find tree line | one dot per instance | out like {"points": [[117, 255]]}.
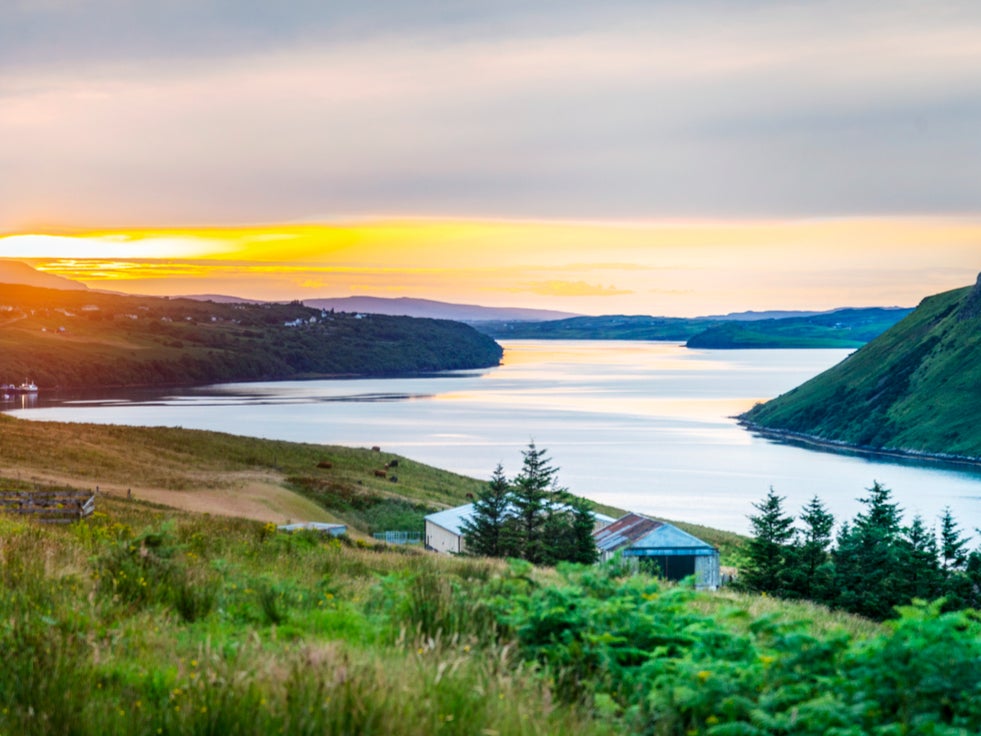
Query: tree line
{"points": [[875, 562], [531, 517]]}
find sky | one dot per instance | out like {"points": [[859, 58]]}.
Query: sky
{"points": [[650, 157]]}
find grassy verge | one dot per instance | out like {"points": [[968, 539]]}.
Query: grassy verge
{"points": [[141, 620]]}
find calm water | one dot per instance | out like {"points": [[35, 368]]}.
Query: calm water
{"points": [[643, 426]]}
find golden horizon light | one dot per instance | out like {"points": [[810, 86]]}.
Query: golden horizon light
{"points": [[669, 268]]}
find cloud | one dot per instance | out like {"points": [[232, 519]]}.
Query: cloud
{"points": [[215, 111], [567, 289]]}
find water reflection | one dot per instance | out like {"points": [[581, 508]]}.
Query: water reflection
{"points": [[644, 426]]}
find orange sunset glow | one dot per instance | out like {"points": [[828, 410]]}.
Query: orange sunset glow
{"points": [[675, 268]]}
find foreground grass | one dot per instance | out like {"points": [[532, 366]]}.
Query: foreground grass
{"points": [[146, 621]]}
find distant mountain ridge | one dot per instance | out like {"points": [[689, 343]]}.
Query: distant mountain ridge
{"points": [[915, 389], [841, 328], [15, 272], [410, 307]]}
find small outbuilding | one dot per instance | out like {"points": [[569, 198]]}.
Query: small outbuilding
{"points": [[444, 529], [334, 530], [674, 553]]}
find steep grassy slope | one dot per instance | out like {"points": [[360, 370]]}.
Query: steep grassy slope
{"points": [[916, 388], [82, 339]]}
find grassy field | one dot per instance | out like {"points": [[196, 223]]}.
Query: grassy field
{"points": [[148, 621]]}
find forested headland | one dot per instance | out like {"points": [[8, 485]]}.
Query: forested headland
{"points": [[79, 339]]}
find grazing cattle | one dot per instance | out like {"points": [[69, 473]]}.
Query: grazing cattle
{"points": [[325, 464], [392, 464], [380, 474], [394, 479], [376, 448], [470, 496]]}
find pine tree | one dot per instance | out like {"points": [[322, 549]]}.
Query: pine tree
{"points": [[531, 495], [484, 531], [767, 551], [812, 572], [952, 544], [919, 570], [956, 584], [868, 570]]}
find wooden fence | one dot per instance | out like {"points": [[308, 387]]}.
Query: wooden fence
{"points": [[51, 507]]}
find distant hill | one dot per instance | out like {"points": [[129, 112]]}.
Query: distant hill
{"points": [[753, 316], [843, 328], [915, 389], [408, 307], [608, 327], [63, 338], [15, 272]]}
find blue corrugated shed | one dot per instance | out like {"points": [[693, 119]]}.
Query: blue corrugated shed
{"points": [[639, 536]]}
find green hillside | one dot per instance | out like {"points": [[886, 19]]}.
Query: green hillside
{"points": [[609, 327], [843, 328], [65, 339], [916, 388]]}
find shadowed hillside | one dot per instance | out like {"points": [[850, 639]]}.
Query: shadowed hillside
{"points": [[64, 338]]}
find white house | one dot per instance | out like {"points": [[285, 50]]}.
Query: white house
{"points": [[444, 529]]}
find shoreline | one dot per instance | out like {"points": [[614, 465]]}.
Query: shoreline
{"points": [[847, 448]]}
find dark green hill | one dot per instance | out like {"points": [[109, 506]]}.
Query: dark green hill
{"points": [[609, 327], [916, 388], [842, 328], [86, 339]]}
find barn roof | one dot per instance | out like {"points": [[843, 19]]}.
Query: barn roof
{"points": [[453, 519], [639, 536]]}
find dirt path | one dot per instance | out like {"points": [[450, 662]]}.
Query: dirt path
{"points": [[251, 495]]}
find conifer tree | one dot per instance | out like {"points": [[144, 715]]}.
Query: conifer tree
{"points": [[952, 554], [812, 572], [484, 531], [956, 584], [868, 572], [767, 551], [531, 493], [919, 571]]}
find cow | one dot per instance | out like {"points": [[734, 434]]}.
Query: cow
{"points": [[376, 448], [381, 474], [392, 464], [327, 464]]}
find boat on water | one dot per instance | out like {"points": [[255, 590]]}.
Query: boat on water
{"points": [[27, 387]]}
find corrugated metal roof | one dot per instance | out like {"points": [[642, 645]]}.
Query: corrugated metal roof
{"points": [[637, 532], [452, 519]]}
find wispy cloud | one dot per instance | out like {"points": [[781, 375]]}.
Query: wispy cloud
{"points": [[567, 289], [214, 111]]}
